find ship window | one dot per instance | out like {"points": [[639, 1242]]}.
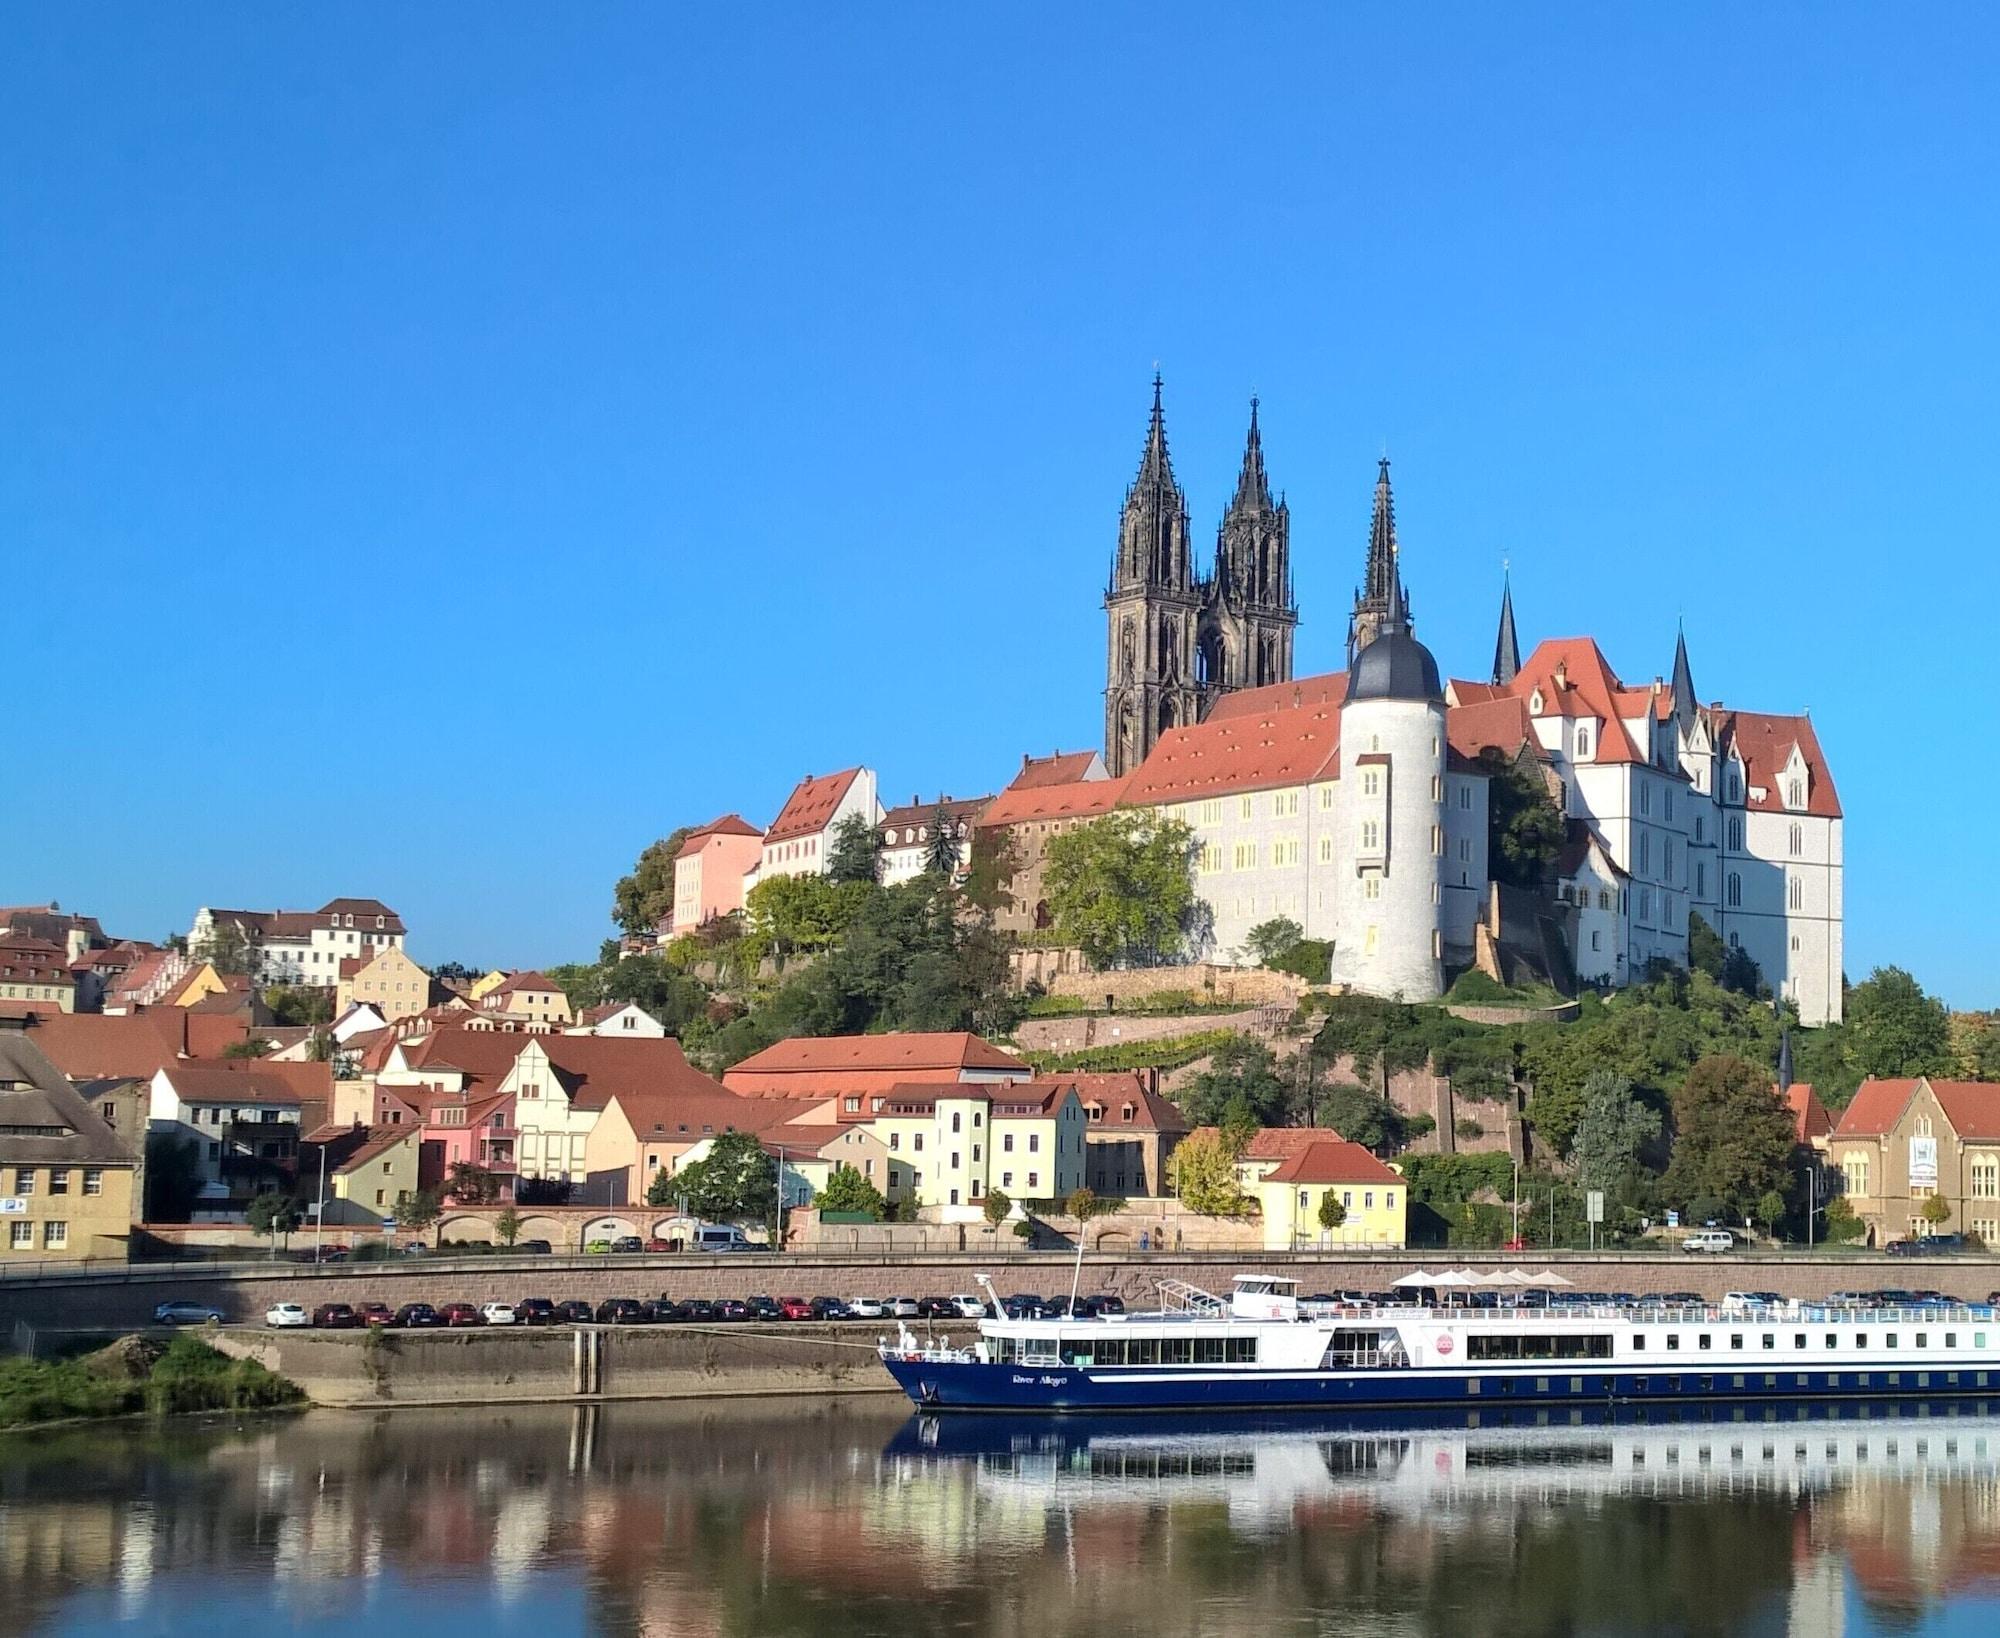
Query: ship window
{"points": [[1638, 1342], [1705, 1341], [1143, 1351], [1892, 1339], [1674, 1340], [1176, 1351], [1242, 1350], [1951, 1339], [1769, 1340], [1923, 1339], [1736, 1340], [1833, 1341], [1860, 1340], [1798, 1339], [1208, 1350], [1108, 1351]]}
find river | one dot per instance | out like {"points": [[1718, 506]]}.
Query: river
{"points": [[853, 1517]]}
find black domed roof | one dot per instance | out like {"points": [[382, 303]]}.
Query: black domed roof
{"points": [[1394, 667]]}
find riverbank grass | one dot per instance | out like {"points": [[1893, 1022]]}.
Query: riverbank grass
{"points": [[136, 1375]]}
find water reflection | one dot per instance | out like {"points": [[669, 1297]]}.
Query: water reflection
{"points": [[839, 1518]]}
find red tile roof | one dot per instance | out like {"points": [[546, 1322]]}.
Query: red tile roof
{"points": [[1332, 1160], [251, 1081], [1503, 724], [1063, 768], [85, 1046], [730, 824], [1328, 689], [1244, 752], [516, 983], [1588, 687], [820, 1066], [957, 809], [28, 960], [1972, 1107], [1809, 1117], [810, 807], [681, 1115], [1765, 743], [1083, 799], [1113, 1094]]}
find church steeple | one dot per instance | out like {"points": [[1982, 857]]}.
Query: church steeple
{"points": [[1245, 636], [1253, 488], [1153, 534], [1380, 598], [1506, 647], [1682, 688]]}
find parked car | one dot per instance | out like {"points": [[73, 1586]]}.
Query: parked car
{"points": [[574, 1313], [1109, 1304], [186, 1313], [335, 1316], [1929, 1243], [621, 1311], [376, 1313], [795, 1308], [535, 1311], [699, 1310], [628, 1244], [868, 1308], [461, 1316], [902, 1307], [535, 1248], [499, 1313], [1520, 1242], [1681, 1299], [418, 1316], [936, 1308], [285, 1315], [721, 1237], [1901, 1248], [766, 1308], [1712, 1241], [830, 1308], [658, 1244], [963, 1305], [597, 1248], [733, 1308]]}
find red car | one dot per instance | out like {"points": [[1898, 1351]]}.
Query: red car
{"points": [[376, 1313], [795, 1308], [335, 1316], [657, 1244], [461, 1314]]}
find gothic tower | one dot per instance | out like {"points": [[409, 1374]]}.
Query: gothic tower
{"points": [[1506, 646], [1248, 613], [1381, 585], [1153, 603]]}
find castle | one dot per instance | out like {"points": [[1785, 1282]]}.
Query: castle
{"points": [[1355, 802]]}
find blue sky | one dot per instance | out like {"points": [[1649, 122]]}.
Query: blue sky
{"points": [[439, 454]]}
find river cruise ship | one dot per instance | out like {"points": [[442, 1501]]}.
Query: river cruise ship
{"points": [[1263, 1348]]}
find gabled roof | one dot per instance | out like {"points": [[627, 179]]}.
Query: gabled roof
{"points": [[84, 1045], [539, 983], [1116, 1092], [1327, 689], [730, 824], [28, 960], [1269, 750], [1502, 724], [1765, 743], [948, 1049], [1972, 1107], [251, 1080], [1809, 1117], [359, 1145], [811, 806], [358, 908], [1083, 799], [957, 809], [1061, 768], [676, 1116], [44, 1117], [1332, 1160], [1588, 687], [1580, 842]]}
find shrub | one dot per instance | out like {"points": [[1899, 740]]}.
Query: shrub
{"points": [[1470, 1129], [1169, 1053]]}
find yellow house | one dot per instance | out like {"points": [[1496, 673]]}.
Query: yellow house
{"points": [[962, 1141], [200, 982], [67, 1180], [534, 997], [389, 981], [641, 1133], [1374, 1198], [369, 1166], [486, 983]]}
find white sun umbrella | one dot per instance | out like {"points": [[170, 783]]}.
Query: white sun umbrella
{"points": [[1416, 1277], [1548, 1276]]}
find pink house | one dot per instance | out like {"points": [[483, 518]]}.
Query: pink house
{"points": [[710, 868]]}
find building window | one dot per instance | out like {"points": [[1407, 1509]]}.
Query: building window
{"points": [[93, 1180], [1371, 886], [1733, 890], [1371, 781], [1437, 841], [24, 1180], [24, 1237], [55, 1235], [1645, 797], [1371, 835], [1795, 794], [1854, 1174], [1985, 1177], [1034, 1145], [1736, 836], [1798, 840], [1795, 893], [1583, 742]]}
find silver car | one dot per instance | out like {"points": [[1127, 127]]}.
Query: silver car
{"points": [[186, 1313], [901, 1307]]}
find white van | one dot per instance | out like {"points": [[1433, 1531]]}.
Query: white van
{"points": [[1714, 1240], [725, 1237]]}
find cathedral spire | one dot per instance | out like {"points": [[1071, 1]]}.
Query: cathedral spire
{"points": [[1682, 692], [1381, 601], [1253, 486], [1156, 470], [1506, 646]]}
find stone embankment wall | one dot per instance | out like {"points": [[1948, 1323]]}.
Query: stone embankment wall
{"points": [[1075, 1033], [349, 1368]]}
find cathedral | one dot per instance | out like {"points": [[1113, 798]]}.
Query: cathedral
{"points": [[1355, 802]]}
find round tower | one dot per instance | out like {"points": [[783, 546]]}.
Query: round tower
{"points": [[1389, 803]]}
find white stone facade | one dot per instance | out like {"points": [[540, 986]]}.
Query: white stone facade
{"points": [[1389, 816]]}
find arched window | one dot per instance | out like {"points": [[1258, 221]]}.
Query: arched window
{"points": [[1798, 840], [1734, 894], [1795, 893], [1583, 742], [1795, 794]]}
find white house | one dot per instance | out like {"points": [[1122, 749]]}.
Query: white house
{"points": [[799, 838], [305, 946]]}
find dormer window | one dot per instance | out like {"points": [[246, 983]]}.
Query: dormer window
{"points": [[1536, 702], [1795, 793], [1583, 740]]}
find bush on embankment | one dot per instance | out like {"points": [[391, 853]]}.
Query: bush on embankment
{"points": [[134, 1375]]}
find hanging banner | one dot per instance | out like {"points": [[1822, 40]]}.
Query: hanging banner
{"points": [[1923, 1163]]}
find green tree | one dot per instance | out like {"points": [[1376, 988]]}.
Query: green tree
{"points": [[1611, 1128], [1842, 1225], [1770, 1211], [1121, 888], [416, 1212], [643, 899], [1936, 1211], [295, 1006], [1733, 1139], [990, 871], [848, 1190], [1202, 1170], [736, 1179], [787, 915], [253, 1046], [507, 1225], [272, 1214], [1363, 1117], [1243, 1068], [1270, 941], [1894, 1029], [1975, 1045], [1524, 826], [472, 1184], [855, 853], [1729, 965], [225, 947], [997, 1207], [173, 1177], [941, 846], [1237, 1126], [1331, 1212]]}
